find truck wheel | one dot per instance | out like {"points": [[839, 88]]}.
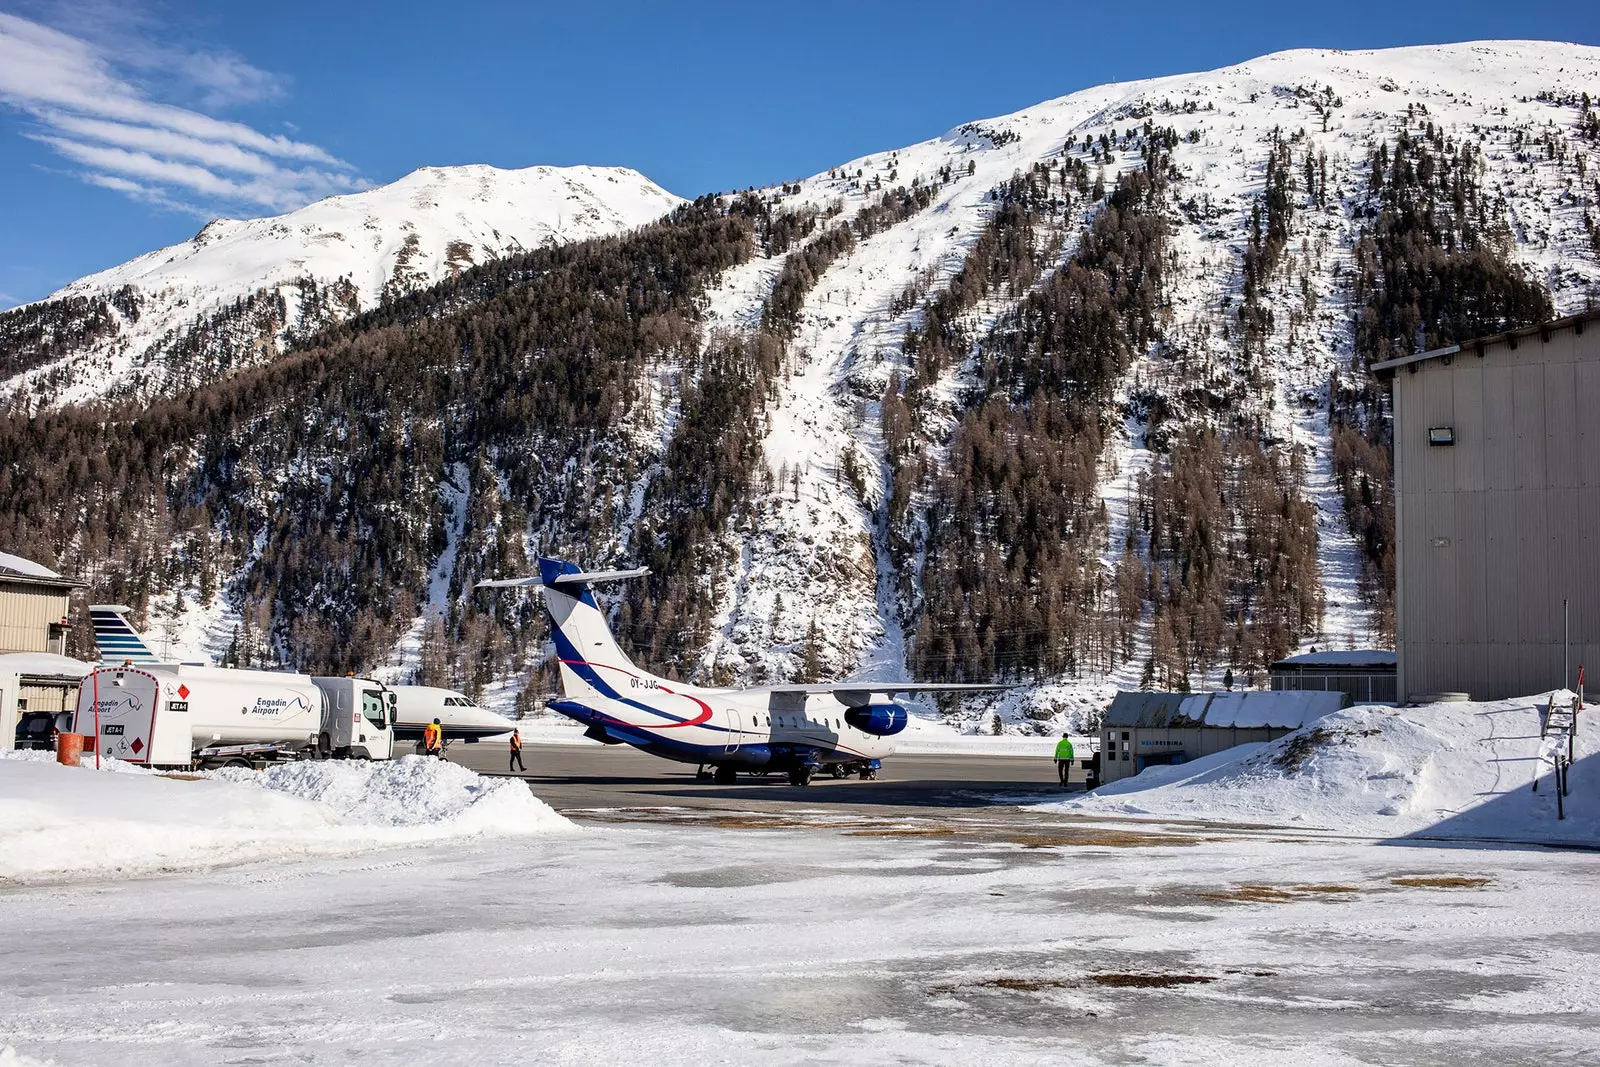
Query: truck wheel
{"points": [[324, 747], [236, 762]]}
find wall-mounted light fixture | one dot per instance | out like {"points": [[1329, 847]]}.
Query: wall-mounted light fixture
{"points": [[1441, 435]]}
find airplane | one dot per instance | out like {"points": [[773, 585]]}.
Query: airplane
{"points": [[415, 705], [798, 729]]}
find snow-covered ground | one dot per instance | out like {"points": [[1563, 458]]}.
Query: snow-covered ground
{"points": [[62, 823], [683, 945], [1463, 770]]}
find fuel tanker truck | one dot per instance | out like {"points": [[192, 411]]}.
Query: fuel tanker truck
{"points": [[180, 715]]}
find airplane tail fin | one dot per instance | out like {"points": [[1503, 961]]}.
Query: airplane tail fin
{"points": [[116, 638], [592, 663]]}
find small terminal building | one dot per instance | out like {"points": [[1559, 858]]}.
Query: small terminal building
{"points": [[1157, 729], [1363, 675], [35, 674], [1497, 511]]}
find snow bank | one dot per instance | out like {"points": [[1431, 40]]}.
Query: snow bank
{"points": [[60, 822], [10, 1057], [1451, 771], [411, 791]]}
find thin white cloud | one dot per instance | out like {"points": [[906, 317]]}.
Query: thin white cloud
{"points": [[280, 189], [88, 109]]}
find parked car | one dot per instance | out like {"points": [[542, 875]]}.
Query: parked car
{"points": [[38, 729]]}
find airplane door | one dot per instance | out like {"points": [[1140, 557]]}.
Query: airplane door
{"points": [[735, 733]]}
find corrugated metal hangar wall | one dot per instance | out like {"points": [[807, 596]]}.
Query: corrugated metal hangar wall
{"points": [[1497, 498]]}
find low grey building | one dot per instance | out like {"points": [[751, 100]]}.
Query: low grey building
{"points": [[1364, 675], [1157, 729], [1497, 504]]}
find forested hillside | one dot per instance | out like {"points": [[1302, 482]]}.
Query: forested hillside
{"points": [[1076, 397]]}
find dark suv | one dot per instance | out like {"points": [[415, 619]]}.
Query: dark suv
{"points": [[37, 729]]}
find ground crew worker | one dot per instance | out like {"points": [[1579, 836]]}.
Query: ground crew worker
{"points": [[1064, 757], [433, 739], [516, 752]]}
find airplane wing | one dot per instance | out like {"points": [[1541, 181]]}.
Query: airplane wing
{"points": [[577, 576], [890, 687]]}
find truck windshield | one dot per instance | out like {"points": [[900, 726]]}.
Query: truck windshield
{"points": [[372, 707]]}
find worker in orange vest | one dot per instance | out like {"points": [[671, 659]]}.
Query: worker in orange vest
{"points": [[433, 739], [516, 752]]}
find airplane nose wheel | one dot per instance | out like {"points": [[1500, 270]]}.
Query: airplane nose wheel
{"points": [[800, 776]]}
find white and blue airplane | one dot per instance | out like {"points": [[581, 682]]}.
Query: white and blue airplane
{"points": [[799, 729]]}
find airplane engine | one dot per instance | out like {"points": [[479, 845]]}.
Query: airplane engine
{"points": [[880, 719]]}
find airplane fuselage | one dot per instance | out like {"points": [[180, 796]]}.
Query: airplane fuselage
{"points": [[743, 728]]}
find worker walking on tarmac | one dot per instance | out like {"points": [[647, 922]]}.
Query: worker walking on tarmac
{"points": [[516, 752], [1064, 758], [433, 739]]}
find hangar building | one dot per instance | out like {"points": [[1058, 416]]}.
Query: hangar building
{"points": [[1154, 729], [1497, 510]]}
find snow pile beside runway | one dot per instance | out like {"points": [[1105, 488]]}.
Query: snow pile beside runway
{"points": [[59, 822], [412, 791], [1439, 771]]}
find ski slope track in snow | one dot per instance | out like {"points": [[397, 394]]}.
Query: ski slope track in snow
{"points": [[358, 249]]}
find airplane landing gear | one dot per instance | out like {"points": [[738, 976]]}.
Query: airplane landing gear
{"points": [[726, 775], [800, 776], [868, 774], [702, 774]]}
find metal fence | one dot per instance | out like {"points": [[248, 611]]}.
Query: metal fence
{"points": [[1360, 688]]}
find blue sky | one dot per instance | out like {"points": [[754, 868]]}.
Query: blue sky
{"points": [[123, 125]]}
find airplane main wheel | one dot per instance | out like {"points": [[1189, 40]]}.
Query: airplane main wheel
{"points": [[868, 774], [726, 775], [800, 776]]}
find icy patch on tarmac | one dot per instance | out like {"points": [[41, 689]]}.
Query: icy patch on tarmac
{"points": [[62, 823], [1451, 771]]}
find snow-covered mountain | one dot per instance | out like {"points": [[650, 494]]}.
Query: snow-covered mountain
{"points": [[1520, 103], [824, 567], [172, 316]]}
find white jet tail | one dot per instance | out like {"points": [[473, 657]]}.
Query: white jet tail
{"points": [[116, 638], [592, 663]]}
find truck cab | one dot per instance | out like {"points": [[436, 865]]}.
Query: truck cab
{"points": [[358, 719]]}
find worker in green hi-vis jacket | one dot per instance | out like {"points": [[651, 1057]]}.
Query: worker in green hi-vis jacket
{"points": [[1064, 757]]}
